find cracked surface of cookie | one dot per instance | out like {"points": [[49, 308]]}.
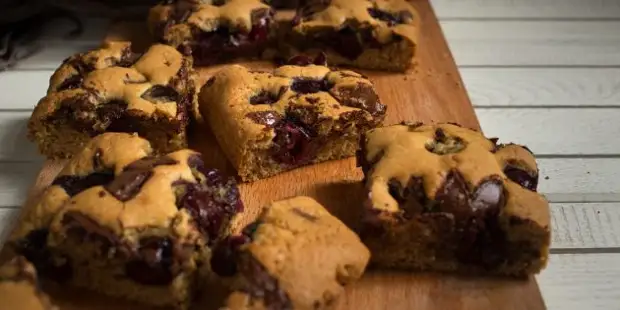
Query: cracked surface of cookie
{"points": [[297, 256], [127, 223], [371, 34], [270, 122], [444, 197], [19, 287], [215, 31], [112, 89]]}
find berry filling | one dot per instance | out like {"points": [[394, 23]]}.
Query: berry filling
{"points": [[390, 18], [225, 43], [310, 86], [212, 202], [294, 144], [155, 263], [34, 249], [521, 177]]}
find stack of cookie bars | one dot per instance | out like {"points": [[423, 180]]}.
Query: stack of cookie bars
{"points": [[136, 214]]}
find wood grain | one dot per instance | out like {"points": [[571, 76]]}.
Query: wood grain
{"points": [[431, 93]]}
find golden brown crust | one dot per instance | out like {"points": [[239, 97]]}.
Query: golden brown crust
{"points": [[308, 252], [114, 89], [445, 184], [233, 14], [244, 108], [359, 33], [19, 289]]}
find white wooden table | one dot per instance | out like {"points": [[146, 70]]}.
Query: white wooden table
{"points": [[545, 73]]}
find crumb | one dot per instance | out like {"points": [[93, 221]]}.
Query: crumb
{"points": [[546, 178]]}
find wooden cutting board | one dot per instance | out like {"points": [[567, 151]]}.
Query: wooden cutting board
{"points": [[432, 92]]}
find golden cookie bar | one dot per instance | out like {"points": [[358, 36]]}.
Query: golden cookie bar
{"points": [[112, 89], [296, 255], [370, 34], [271, 122], [443, 197], [124, 222]]}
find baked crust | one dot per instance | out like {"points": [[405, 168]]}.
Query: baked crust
{"points": [[126, 223], [298, 256], [114, 89], [19, 287], [214, 31], [445, 197], [270, 122], [367, 34]]}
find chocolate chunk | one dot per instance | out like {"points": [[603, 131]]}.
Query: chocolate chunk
{"points": [[128, 58], [210, 81], [225, 254], [411, 198], [312, 7], [251, 228], [109, 113], [390, 18], [264, 97], [98, 163], [310, 86], [34, 248], [73, 185], [522, 177], [150, 162], [304, 214], [304, 60], [87, 230], [361, 96], [488, 196], [155, 262], [267, 118], [72, 82], [127, 185], [261, 285], [453, 196], [159, 93]]}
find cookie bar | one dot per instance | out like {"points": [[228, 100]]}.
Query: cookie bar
{"points": [[19, 289], [371, 34], [284, 4], [443, 197], [214, 32], [112, 89], [296, 255], [270, 122], [126, 223]]}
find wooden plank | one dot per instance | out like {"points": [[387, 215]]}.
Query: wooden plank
{"points": [[534, 43], [527, 9], [580, 179], [548, 131], [555, 87], [328, 183], [582, 281], [14, 182], [15, 95], [14, 146], [585, 226]]}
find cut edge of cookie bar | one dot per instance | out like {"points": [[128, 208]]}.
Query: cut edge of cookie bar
{"points": [[19, 286], [217, 32], [112, 89], [384, 35], [123, 222], [445, 198], [294, 255], [271, 122]]}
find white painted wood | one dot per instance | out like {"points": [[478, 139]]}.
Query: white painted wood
{"points": [[581, 281], [585, 225], [15, 181], [542, 86], [7, 222], [51, 56], [23, 89], [552, 9], [13, 143], [548, 131], [534, 43]]}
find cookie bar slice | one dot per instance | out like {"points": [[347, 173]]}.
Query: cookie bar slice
{"points": [[112, 89], [19, 289], [126, 223], [443, 197], [371, 34], [296, 255], [270, 122], [214, 32]]}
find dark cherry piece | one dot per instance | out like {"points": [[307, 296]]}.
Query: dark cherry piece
{"points": [[262, 285], [225, 255], [73, 185], [310, 86], [154, 265], [521, 177]]}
